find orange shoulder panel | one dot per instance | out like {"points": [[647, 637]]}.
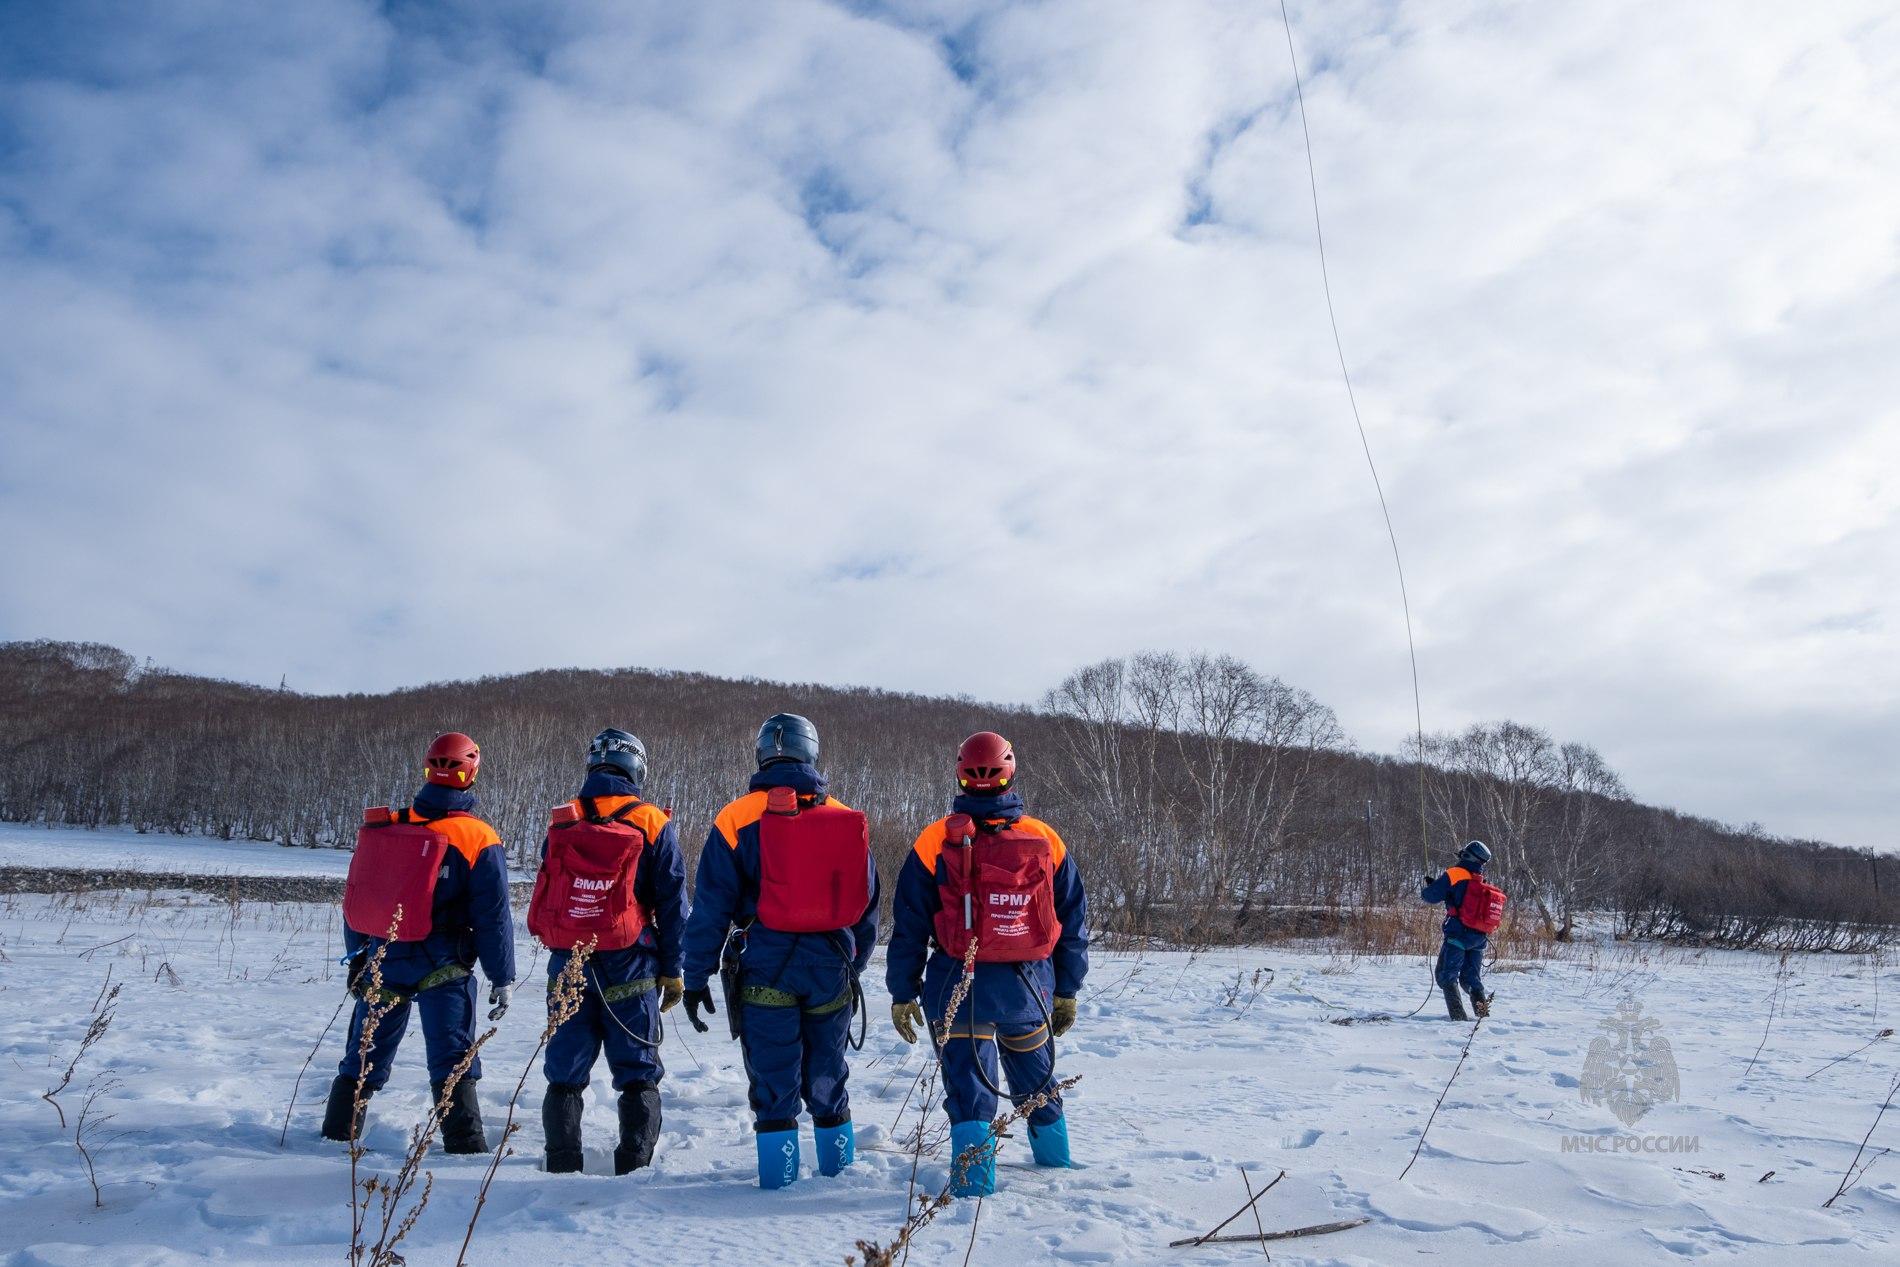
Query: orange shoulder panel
{"points": [[740, 815], [1457, 875], [929, 846], [650, 819], [1057, 850], [467, 836]]}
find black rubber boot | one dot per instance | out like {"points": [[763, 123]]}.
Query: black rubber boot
{"points": [[1481, 1004], [639, 1127], [462, 1123], [337, 1114], [1455, 1003], [561, 1110]]}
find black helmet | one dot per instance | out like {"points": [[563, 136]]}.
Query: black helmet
{"points": [[786, 737], [1474, 854], [620, 751]]}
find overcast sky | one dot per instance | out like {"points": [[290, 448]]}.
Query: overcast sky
{"points": [[950, 345]]}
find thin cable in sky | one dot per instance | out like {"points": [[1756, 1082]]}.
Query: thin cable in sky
{"points": [[1332, 316]]}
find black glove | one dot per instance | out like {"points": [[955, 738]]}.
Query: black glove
{"points": [[695, 1000]]}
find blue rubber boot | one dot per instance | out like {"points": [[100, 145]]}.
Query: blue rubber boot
{"points": [[837, 1147], [977, 1177], [1050, 1144], [778, 1158]]}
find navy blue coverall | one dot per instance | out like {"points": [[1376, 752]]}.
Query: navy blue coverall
{"points": [[1461, 958], [801, 985], [470, 922], [620, 1011], [1011, 1001]]}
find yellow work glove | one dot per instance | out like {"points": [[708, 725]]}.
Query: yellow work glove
{"points": [[1063, 1016], [906, 1017], [672, 990]]}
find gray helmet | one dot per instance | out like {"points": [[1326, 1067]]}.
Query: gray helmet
{"points": [[786, 737], [1474, 854], [620, 751]]}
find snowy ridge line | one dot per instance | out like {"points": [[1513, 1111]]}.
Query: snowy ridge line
{"points": [[248, 888], [239, 885]]}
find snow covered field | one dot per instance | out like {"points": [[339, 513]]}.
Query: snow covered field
{"points": [[122, 849], [1190, 1074]]}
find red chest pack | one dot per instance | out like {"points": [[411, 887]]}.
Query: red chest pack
{"points": [[397, 861], [814, 865], [998, 887], [585, 887]]}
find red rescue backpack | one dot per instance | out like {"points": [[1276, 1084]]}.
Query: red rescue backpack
{"points": [[585, 888], [814, 865], [1483, 908], [397, 862], [998, 886]]}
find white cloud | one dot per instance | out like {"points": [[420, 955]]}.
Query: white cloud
{"points": [[948, 345]]}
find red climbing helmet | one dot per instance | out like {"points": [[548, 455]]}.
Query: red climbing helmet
{"points": [[453, 760], [985, 763]]}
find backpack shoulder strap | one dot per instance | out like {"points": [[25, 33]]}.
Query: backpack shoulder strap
{"points": [[590, 810]]}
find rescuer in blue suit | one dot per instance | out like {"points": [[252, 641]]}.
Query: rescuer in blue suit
{"points": [[625, 987], [470, 922], [1461, 957], [791, 870], [990, 875]]}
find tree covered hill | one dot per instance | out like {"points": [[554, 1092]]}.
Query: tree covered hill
{"points": [[1200, 793]]}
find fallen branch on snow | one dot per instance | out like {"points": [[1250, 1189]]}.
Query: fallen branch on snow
{"points": [[1318, 1229], [1253, 1199]]}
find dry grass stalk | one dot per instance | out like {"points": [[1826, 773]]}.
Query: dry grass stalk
{"points": [[1774, 1004], [86, 1129], [1854, 1168], [565, 995], [284, 1135], [1881, 1036], [393, 1192], [890, 1255], [940, 1035], [104, 1008], [380, 1006], [976, 1221]]}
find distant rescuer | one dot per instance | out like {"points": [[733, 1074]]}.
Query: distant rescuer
{"points": [[1474, 909], [792, 870], [611, 874], [447, 872], [991, 874]]}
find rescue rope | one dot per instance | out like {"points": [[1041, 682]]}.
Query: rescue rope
{"points": [[1332, 316], [607, 1006], [976, 1043]]}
